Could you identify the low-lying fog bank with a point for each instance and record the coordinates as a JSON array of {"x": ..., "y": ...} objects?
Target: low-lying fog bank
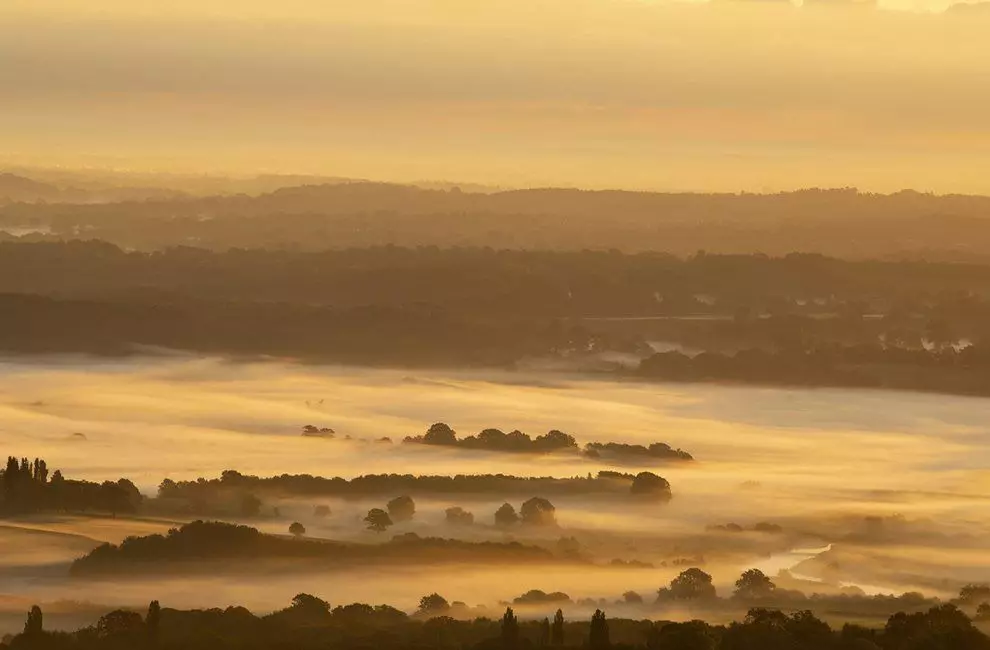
[{"x": 896, "y": 482}]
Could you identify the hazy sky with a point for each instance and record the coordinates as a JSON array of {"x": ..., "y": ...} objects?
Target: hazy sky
[{"x": 736, "y": 94}]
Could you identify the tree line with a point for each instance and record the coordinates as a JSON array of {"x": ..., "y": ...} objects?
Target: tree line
[
  {"x": 441, "y": 434},
  {"x": 311, "y": 622}
]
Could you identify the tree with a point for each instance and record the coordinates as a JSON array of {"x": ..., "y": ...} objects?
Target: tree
[
  {"x": 458, "y": 516},
  {"x": 401, "y": 508},
  {"x": 433, "y": 605},
  {"x": 691, "y": 584},
  {"x": 632, "y": 598},
  {"x": 983, "y": 612},
  {"x": 972, "y": 594},
  {"x": 510, "y": 630},
  {"x": 309, "y": 602},
  {"x": 545, "y": 633},
  {"x": 378, "y": 520},
  {"x": 119, "y": 623},
  {"x": 152, "y": 621},
  {"x": 506, "y": 515},
  {"x": 650, "y": 485},
  {"x": 754, "y": 585},
  {"x": 34, "y": 625},
  {"x": 321, "y": 511},
  {"x": 598, "y": 635},
  {"x": 557, "y": 630},
  {"x": 538, "y": 512},
  {"x": 297, "y": 529},
  {"x": 440, "y": 434}
]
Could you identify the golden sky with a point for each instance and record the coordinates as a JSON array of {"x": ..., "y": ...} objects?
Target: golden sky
[{"x": 728, "y": 95}]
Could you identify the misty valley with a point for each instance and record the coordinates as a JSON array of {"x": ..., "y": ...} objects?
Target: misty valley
[{"x": 200, "y": 482}]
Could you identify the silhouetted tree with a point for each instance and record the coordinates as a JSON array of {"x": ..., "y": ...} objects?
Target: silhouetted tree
[
  {"x": 632, "y": 598},
  {"x": 691, "y": 584},
  {"x": 545, "y": 633},
  {"x": 152, "y": 622},
  {"x": 506, "y": 515},
  {"x": 377, "y": 520},
  {"x": 510, "y": 630},
  {"x": 121, "y": 624},
  {"x": 753, "y": 585},
  {"x": 440, "y": 434},
  {"x": 458, "y": 516},
  {"x": 433, "y": 605},
  {"x": 649, "y": 484},
  {"x": 538, "y": 512},
  {"x": 297, "y": 529},
  {"x": 598, "y": 638},
  {"x": 401, "y": 508},
  {"x": 34, "y": 625},
  {"x": 321, "y": 511},
  {"x": 557, "y": 629}
]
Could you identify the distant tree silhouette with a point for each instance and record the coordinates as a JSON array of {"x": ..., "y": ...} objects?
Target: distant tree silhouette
[
  {"x": 649, "y": 484},
  {"x": 753, "y": 584},
  {"x": 321, "y": 511},
  {"x": 544, "y": 640},
  {"x": 121, "y": 624},
  {"x": 632, "y": 598},
  {"x": 433, "y": 605},
  {"x": 34, "y": 625},
  {"x": 557, "y": 629},
  {"x": 691, "y": 584},
  {"x": 983, "y": 612},
  {"x": 401, "y": 508},
  {"x": 152, "y": 622},
  {"x": 377, "y": 520},
  {"x": 510, "y": 630},
  {"x": 440, "y": 434},
  {"x": 538, "y": 512},
  {"x": 598, "y": 637},
  {"x": 506, "y": 515},
  {"x": 458, "y": 516},
  {"x": 297, "y": 529}
]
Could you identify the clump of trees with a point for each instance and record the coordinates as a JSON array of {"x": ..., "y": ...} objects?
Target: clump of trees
[
  {"x": 441, "y": 434},
  {"x": 536, "y": 511},
  {"x": 458, "y": 516},
  {"x": 26, "y": 487},
  {"x": 516, "y": 441},
  {"x": 401, "y": 508},
  {"x": 202, "y": 544}
]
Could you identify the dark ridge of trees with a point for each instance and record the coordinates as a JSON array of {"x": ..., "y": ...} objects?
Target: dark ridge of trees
[
  {"x": 441, "y": 434},
  {"x": 26, "y": 487},
  {"x": 212, "y": 546},
  {"x": 965, "y": 371},
  {"x": 312, "y": 623},
  {"x": 417, "y": 335},
  {"x": 656, "y": 451},
  {"x": 840, "y": 222},
  {"x": 537, "y": 284},
  {"x": 231, "y": 483}
]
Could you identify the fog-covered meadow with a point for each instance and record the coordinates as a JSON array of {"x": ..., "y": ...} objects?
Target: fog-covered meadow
[{"x": 815, "y": 462}]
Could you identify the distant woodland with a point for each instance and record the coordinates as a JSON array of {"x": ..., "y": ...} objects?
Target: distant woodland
[{"x": 841, "y": 222}]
